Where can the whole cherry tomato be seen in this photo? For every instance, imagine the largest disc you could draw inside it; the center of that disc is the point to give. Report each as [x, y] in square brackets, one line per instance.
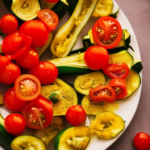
[117, 70]
[96, 57]
[15, 42]
[28, 59]
[38, 113]
[49, 17]
[75, 115]
[107, 32]
[15, 124]
[9, 71]
[120, 87]
[27, 87]
[45, 71]
[37, 30]
[53, 1]
[12, 103]
[102, 93]
[141, 141]
[9, 24]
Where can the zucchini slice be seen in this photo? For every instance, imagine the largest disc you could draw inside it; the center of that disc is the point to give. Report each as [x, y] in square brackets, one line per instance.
[103, 8]
[71, 65]
[107, 125]
[67, 35]
[73, 138]
[61, 94]
[74, 64]
[25, 9]
[27, 142]
[42, 49]
[84, 83]
[133, 81]
[92, 108]
[48, 133]
[121, 56]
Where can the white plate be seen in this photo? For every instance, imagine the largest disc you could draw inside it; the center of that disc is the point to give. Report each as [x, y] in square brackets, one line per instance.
[127, 108]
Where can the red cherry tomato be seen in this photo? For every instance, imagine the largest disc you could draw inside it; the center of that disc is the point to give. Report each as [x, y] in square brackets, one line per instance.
[107, 32]
[75, 115]
[15, 42]
[9, 71]
[117, 70]
[27, 87]
[14, 123]
[10, 101]
[38, 113]
[52, 1]
[37, 30]
[9, 24]
[28, 59]
[141, 141]
[49, 17]
[45, 71]
[102, 93]
[96, 57]
[120, 87]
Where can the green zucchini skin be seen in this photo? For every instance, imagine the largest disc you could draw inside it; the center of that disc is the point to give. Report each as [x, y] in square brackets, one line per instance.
[57, 138]
[5, 138]
[60, 9]
[65, 70]
[137, 67]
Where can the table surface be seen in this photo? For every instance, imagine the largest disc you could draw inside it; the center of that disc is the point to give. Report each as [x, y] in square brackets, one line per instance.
[138, 14]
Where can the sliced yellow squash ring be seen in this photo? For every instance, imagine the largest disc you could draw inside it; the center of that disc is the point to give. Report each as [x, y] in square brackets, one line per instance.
[107, 125]
[84, 83]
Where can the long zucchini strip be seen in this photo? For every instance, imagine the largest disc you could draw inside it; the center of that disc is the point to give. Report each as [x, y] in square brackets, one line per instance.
[67, 35]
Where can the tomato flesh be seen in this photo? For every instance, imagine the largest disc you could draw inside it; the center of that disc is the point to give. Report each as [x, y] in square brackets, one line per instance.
[38, 113]
[102, 93]
[117, 70]
[49, 17]
[27, 87]
[107, 32]
[120, 87]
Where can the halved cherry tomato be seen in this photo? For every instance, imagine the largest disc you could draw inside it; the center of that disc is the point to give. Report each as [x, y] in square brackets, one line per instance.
[28, 59]
[9, 24]
[45, 71]
[49, 17]
[75, 115]
[120, 87]
[53, 1]
[102, 93]
[15, 124]
[10, 101]
[15, 42]
[38, 113]
[27, 87]
[117, 70]
[96, 57]
[9, 72]
[107, 32]
[141, 141]
[37, 30]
